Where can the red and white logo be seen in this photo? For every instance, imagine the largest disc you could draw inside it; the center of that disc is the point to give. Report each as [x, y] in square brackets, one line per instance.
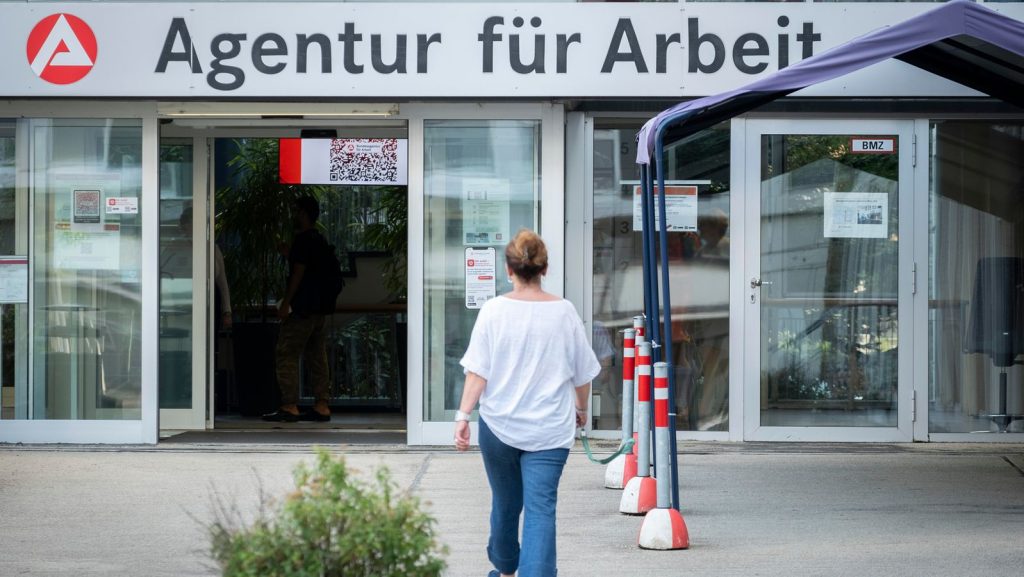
[61, 48]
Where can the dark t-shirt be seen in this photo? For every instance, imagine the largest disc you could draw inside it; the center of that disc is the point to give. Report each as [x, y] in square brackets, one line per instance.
[303, 251]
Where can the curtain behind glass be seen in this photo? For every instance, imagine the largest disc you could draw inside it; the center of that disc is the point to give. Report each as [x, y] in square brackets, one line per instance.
[976, 229]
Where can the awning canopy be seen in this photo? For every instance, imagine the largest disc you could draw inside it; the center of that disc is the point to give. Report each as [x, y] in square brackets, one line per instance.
[962, 41]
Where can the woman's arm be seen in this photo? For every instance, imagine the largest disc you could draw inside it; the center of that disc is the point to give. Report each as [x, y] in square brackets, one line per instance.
[582, 402]
[471, 391]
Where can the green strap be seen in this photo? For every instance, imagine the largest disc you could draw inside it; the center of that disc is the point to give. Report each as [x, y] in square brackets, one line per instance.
[622, 450]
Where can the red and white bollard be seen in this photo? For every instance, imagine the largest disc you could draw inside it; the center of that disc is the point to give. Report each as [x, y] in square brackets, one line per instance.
[663, 528]
[641, 492]
[623, 467]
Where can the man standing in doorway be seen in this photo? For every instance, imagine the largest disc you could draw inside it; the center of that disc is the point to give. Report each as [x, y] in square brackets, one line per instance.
[303, 324]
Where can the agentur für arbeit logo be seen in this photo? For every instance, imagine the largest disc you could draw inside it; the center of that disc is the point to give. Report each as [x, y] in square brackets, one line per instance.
[61, 48]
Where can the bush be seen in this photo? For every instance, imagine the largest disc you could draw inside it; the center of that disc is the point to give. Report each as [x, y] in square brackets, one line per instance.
[331, 525]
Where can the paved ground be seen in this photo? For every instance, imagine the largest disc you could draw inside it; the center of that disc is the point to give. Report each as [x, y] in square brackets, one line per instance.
[751, 509]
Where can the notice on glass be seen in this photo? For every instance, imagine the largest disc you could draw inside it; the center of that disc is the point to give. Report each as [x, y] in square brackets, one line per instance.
[856, 215]
[680, 209]
[485, 210]
[80, 200]
[78, 250]
[480, 276]
[13, 279]
[122, 205]
[87, 206]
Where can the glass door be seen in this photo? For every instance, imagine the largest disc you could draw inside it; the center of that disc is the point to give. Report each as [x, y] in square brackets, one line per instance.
[183, 265]
[829, 281]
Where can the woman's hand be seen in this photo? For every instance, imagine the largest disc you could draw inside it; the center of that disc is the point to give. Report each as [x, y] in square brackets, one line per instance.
[462, 435]
[581, 417]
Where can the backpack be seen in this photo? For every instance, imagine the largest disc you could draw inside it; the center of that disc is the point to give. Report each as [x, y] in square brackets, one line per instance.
[330, 281]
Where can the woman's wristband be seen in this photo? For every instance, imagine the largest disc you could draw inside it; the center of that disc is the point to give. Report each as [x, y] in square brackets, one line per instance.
[460, 416]
[579, 410]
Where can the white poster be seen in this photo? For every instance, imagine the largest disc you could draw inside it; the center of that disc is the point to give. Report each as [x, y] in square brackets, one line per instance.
[856, 215]
[13, 279]
[480, 276]
[680, 209]
[81, 250]
[485, 211]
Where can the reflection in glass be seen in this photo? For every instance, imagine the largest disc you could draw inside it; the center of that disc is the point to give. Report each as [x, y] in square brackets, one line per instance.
[86, 292]
[176, 285]
[976, 250]
[829, 251]
[699, 262]
[13, 308]
[481, 183]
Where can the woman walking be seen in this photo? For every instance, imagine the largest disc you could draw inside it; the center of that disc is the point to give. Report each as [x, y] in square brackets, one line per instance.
[530, 366]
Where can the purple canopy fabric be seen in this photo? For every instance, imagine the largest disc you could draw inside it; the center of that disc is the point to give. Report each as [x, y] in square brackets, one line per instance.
[960, 40]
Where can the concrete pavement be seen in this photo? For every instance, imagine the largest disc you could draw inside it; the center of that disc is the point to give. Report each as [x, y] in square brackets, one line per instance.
[786, 510]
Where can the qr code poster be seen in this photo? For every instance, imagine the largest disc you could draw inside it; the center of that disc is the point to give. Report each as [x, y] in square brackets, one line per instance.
[86, 207]
[372, 161]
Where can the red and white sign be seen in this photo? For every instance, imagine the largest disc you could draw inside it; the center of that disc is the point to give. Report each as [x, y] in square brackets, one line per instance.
[680, 209]
[480, 276]
[872, 145]
[123, 205]
[61, 49]
[378, 161]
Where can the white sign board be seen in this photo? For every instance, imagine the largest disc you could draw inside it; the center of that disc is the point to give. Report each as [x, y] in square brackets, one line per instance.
[480, 276]
[13, 279]
[873, 145]
[856, 215]
[313, 50]
[680, 209]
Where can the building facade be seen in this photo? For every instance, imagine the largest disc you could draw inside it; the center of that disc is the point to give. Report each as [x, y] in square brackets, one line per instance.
[846, 262]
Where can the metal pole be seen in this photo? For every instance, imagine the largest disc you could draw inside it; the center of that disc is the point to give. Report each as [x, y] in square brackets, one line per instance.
[659, 149]
[646, 222]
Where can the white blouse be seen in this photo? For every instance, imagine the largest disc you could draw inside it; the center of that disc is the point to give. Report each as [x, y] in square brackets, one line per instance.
[532, 354]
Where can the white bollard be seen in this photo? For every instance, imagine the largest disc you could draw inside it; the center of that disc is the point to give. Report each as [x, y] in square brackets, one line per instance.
[664, 527]
[640, 494]
[622, 468]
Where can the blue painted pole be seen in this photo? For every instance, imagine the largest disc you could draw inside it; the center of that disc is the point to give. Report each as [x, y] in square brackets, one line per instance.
[659, 149]
[645, 220]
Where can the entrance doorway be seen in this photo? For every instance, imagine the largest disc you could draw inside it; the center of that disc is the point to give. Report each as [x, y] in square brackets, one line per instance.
[829, 293]
[221, 186]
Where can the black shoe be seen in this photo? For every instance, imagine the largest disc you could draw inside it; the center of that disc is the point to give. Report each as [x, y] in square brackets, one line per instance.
[312, 415]
[280, 416]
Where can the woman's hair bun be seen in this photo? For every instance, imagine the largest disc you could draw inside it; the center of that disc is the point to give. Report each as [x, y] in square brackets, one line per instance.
[527, 255]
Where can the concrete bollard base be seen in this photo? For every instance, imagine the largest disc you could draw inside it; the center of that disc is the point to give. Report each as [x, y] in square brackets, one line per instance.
[664, 530]
[613, 473]
[639, 496]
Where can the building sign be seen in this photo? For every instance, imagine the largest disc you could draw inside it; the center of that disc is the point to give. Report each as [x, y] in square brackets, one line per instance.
[680, 209]
[872, 146]
[352, 50]
[480, 276]
[376, 161]
[856, 215]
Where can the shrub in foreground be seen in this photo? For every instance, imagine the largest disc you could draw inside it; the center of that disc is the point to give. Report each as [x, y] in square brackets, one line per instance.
[331, 525]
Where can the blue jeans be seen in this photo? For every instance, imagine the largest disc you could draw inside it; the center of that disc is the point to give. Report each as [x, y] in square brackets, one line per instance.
[522, 480]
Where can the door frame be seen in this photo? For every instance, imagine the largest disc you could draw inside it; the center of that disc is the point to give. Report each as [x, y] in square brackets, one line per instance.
[203, 130]
[195, 417]
[908, 297]
[420, 431]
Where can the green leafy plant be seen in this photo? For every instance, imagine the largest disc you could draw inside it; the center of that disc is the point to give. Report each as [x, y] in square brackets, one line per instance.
[331, 525]
[253, 219]
[389, 232]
